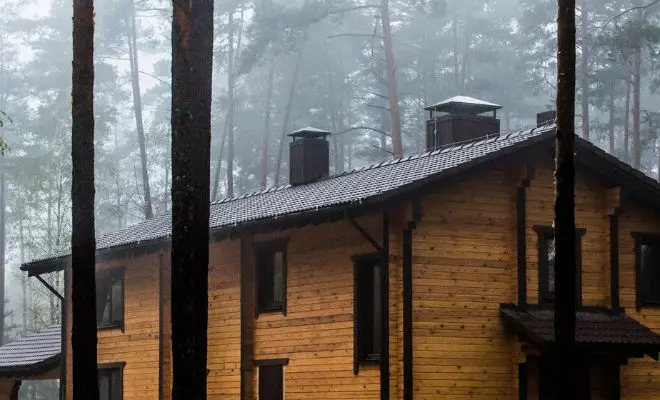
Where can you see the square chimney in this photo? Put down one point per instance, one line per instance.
(460, 119)
(309, 156)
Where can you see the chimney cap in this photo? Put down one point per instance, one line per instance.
(463, 104)
(309, 133)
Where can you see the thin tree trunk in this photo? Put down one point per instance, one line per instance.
(230, 110)
(393, 95)
(565, 204)
(192, 64)
(626, 122)
(584, 67)
(454, 27)
(23, 276)
(263, 181)
(137, 109)
(636, 110)
(287, 112)
(218, 168)
(83, 243)
(3, 222)
(658, 155)
(611, 121)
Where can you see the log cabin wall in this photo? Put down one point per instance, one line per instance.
(640, 379)
(137, 345)
(464, 266)
(316, 335)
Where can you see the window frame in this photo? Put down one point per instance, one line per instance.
(375, 259)
(272, 246)
(109, 369)
(271, 363)
(640, 239)
(111, 274)
(545, 233)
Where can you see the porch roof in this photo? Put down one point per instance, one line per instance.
(597, 329)
(32, 355)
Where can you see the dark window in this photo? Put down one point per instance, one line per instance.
(271, 382)
(547, 264)
(647, 250)
(369, 302)
(271, 275)
(110, 298)
(110, 383)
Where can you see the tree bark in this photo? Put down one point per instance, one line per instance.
(3, 222)
(192, 64)
(626, 122)
(287, 112)
(230, 110)
(584, 66)
(218, 168)
(263, 180)
(137, 109)
(636, 108)
(566, 359)
(393, 95)
(83, 242)
(611, 121)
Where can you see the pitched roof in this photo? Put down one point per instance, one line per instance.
(363, 187)
(593, 327)
(33, 354)
(351, 188)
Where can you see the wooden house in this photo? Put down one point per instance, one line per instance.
(425, 277)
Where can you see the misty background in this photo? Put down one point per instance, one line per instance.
(280, 65)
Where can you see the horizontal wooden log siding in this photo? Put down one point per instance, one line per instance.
(317, 333)
(640, 379)
(464, 265)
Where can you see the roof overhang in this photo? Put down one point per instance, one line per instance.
(598, 330)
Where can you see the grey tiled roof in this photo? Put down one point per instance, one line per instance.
(594, 326)
(32, 351)
(350, 188)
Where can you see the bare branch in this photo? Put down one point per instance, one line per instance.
(359, 35)
(626, 11)
(381, 149)
(156, 78)
(366, 128)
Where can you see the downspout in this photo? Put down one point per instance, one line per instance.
(62, 328)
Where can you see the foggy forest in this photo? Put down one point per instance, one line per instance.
(281, 65)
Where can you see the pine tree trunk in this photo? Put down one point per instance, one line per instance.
(230, 110)
(393, 95)
(626, 122)
(218, 168)
(611, 121)
(263, 180)
(192, 64)
(636, 108)
(584, 66)
(565, 204)
(24, 306)
(457, 85)
(287, 113)
(83, 243)
(3, 222)
(137, 109)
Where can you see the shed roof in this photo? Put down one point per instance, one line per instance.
(34, 354)
(595, 327)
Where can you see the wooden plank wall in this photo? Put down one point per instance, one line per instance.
(640, 379)
(464, 266)
(224, 333)
(317, 333)
(590, 214)
(137, 345)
